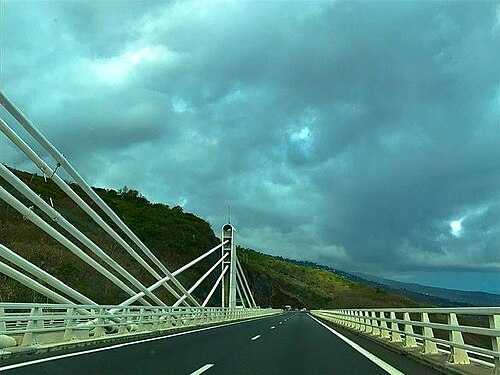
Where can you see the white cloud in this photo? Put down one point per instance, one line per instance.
(179, 105)
(456, 227)
(301, 135)
(119, 69)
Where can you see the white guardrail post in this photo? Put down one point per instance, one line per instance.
(410, 341)
(376, 329)
(457, 355)
(418, 334)
(494, 321)
(430, 346)
(33, 326)
(384, 332)
(395, 332)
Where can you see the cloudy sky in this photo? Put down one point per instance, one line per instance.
(360, 135)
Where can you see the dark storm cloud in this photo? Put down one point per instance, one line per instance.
(351, 133)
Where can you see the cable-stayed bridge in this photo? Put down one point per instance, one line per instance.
(72, 332)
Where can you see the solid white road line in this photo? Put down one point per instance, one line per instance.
(202, 369)
(379, 362)
(255, 337)
(117, 346)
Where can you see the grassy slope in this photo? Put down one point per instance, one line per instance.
(278, 281)
(175, 237)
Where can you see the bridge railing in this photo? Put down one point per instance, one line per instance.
(467, 333)
(24, 326)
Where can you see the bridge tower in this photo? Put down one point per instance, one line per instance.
(229, 267)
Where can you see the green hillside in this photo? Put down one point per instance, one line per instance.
(277, 282)
(175, 237)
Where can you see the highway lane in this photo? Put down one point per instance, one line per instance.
(292, 343)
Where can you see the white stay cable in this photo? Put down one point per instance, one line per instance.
(175, 273)
(27, 266)
(242, 297)
(217, 282)
(40, 138)
(200, 280)
(39, 222)
(32, 284)
(241, 287)
(253, 304)
(66, 225)
(47, 171)
(185, 267)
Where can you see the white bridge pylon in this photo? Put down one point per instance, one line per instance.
(234, 282)
(75, 241)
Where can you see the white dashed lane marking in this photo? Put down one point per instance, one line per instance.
(116, 346)
(255, 337)
(202, 369)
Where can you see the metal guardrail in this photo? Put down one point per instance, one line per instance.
(418, 327)
(33, 325)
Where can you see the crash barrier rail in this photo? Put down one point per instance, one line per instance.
(469, 333)
(31, 325)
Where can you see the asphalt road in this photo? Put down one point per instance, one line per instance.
(293, 343)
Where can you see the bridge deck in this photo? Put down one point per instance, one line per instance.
(296, 345)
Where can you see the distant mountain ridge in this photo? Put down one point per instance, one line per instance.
(463, 297)
(420, 293)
